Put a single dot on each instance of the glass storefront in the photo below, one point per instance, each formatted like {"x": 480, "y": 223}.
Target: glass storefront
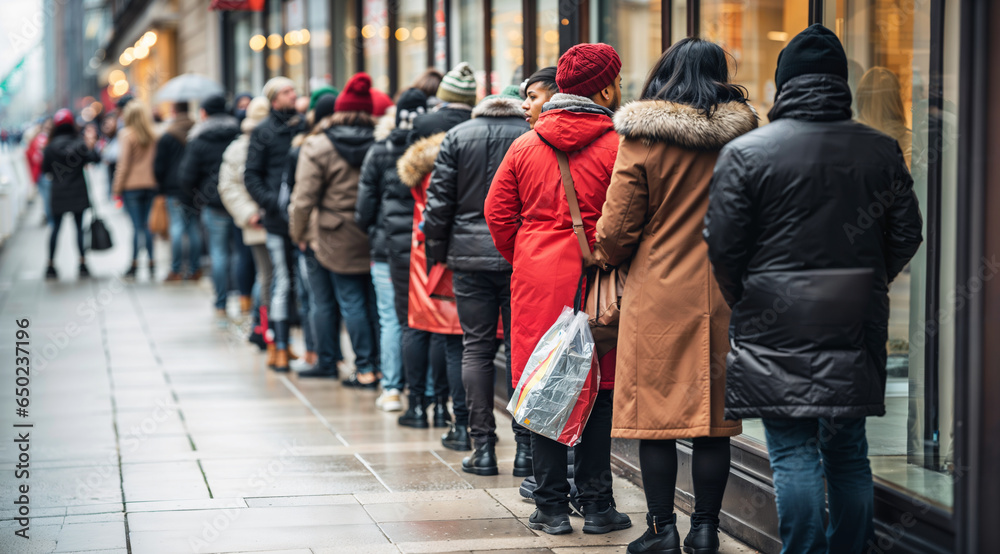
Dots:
{"x": 375, "y": 35}
{"x": 411, "y": 40}
{"x": 465, "y": 30}
{"x": 347, "y": 39}
{"x": 508, "y": 44}
{"x": 318, "y": 42}
{"x": 296, "y": 39}
{"x": 547, "y": 33}
{"x": 633, "y": 27}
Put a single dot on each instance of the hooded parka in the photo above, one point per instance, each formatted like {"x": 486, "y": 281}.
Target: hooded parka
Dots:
{"x": 266, "y": 164}
{"x": 454, "y": 223}
{"x": 529, "y": 218}
{"x": 673, "y": 336}
{"x": 326, "y": 180}
{"x": 809, "y": 220}
{"x": 385, "y": 205}
{"x": 232, "y": 190}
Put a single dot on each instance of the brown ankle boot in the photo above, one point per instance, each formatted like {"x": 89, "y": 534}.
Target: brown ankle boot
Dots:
{"x": 272, "y": 354}
{"x": 281, "y": 360}
{"x": 246, "y": 304}
{"x": 291, "y": 355}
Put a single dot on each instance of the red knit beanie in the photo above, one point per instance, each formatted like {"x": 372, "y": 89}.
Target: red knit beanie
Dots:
{"x": 587, "y": 68}
{"x": 356, "y": 96}
{"x": 380, "y": 102}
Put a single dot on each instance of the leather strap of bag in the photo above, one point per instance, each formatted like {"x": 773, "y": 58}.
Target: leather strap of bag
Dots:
{"x": 574, "y": 207}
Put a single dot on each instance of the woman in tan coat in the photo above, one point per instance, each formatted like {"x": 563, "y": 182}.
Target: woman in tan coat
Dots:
{"x": 671, "y": 372}
{"x": 134, "y": 180}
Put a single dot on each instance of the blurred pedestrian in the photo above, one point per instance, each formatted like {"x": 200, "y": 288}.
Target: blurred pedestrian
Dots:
{"x": 247, "y": 214}
{"x": 199, "y": 178}
{"x": 35, "y": 155}
{"x": 457, "y": 235}
{"x": 433, "y": 331}
{"x": 180, "y": 205}
{"x": 385, "y": 210}
{"x": 109, "y": 147}
{"x": 240, "y": 105}
{"x": 324, "y": 198}
{"x": 670, "y": 140}
{"x": 529, "y": 219}
{"x": 134, "y": 179}
{"x": 63, "y": 161}
{"x": 265, "y": 167}
{"x": 787, "y": 249}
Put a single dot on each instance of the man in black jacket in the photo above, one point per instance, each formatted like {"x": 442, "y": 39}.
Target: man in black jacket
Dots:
{"x": 199, "y": 179}
{"x": 810, "y": 219}
{"x": 263, "y": 175}
{"x": 457, "y": 235}
{"x": 183, "y": 214}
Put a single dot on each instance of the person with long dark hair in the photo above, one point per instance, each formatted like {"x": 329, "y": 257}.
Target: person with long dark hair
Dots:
{"x": 63, "y": 162}
{"x": 670, "y": 378}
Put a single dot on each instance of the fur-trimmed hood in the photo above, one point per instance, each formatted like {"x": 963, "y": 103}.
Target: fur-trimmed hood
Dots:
{"x": 386, "y": 124}
{"x": 418, "y": 160}
{"x": 498, "y": 106}
{"x": 685, "y": 126}
{"x": 572, "y": 102}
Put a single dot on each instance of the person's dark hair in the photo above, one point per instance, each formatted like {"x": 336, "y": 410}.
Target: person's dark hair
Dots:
{"x": 546, "y": 75}
{"x": 693, "y": 72}
{"x": 181, "y": 107}
{"x": 428, "y": 82}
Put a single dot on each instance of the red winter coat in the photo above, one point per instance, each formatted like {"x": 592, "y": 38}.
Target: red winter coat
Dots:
{"x": 530, "y": 221}
{"x": 34, "y": 153}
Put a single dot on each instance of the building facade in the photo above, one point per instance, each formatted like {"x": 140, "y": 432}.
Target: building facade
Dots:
{"x": 920, "y": 71}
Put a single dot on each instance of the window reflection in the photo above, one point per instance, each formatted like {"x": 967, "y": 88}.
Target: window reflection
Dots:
{"x": 375, "y": 33}
{"x": 467, "y": 39}
{"x": 508, "y": 44}
{"x": 633, "y": 28}
{"x": 411, "y": 40}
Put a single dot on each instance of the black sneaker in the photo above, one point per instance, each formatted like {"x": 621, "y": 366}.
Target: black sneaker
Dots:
{"x": 51, "y": 274}
{"x": 598, "y": 523}
{"x": 551, "y": 524}
{"x": 319, "y": 372}
{"x": 527, "y": 488}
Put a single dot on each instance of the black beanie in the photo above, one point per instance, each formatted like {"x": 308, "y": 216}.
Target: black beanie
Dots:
{"x": 324, "y": 106}
{"x": 410, "y": 103}
{"x": 814, "y": 50}
{"x": 214, "y": 104}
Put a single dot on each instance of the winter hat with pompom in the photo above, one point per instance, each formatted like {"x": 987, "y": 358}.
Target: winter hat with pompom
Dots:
{"x": 357, "y": 95}
{"x": 458, "y": 85}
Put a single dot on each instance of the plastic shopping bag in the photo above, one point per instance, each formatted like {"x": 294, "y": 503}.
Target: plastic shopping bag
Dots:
{"x": 559, "y": 383}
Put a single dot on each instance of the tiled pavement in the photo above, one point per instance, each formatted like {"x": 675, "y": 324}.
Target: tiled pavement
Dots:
{"x": 156, "y": 432}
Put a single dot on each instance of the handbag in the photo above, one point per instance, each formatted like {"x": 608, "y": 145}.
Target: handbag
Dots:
{"x": 603, "y": 295}
{"x": 159, "y": 219}
{"x": 100, "y": 237}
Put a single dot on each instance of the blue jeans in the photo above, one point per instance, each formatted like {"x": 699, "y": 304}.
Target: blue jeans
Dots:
{"x": 391, "y": 334}
{"x": 306, "y": 302}
{"x": 356, "y": 299}
{"x": 137, "y": 204}
{"x": 221, "y": 232}
{"x": 183, "y": 222}
{"x": 802, "y": 452}
{"x": 45, "y": 191}
{"x": 245, "y": 272}
{"x": 325, "y": 313}
{"x": 281, "y": 280}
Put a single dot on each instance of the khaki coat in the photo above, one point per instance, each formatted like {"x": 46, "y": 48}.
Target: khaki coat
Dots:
{"x": 674, "y": 329}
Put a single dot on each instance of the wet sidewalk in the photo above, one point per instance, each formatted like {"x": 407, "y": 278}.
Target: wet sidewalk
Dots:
{"x": 154, "y": 431}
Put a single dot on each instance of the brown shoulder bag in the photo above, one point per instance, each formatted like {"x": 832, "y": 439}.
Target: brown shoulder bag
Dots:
{"x": 602, "y": 298}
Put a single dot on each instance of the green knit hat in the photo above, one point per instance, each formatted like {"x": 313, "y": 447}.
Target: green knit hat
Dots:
{"x": 314, "y": 97}
{"x": 458, "y": 85}
{"x": 509, "y": 91}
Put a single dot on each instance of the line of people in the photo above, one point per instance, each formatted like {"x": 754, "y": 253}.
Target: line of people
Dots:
{"x": 438, "y": 232}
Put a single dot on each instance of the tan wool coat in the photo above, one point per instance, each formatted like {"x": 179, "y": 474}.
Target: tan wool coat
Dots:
{"x": 674, "y": 329}
{"x": 321, "y": 208}
{"x": 134, "y": 170}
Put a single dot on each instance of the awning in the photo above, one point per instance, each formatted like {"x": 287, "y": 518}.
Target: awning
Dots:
{"x": 237, "y": 5}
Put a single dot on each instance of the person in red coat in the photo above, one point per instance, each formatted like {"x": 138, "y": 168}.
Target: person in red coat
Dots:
{"x": 529, "y": 219}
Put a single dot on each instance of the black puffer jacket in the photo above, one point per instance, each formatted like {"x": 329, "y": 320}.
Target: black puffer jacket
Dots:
{"x": 267, "y": 163}
{"x": 198, "y": 175}
{"x": 439, "y": 121}
{"x": 809, "y": 220}
{"x": 385, "y": 204}
{"x": 454, "y": 223}
{"x": 63, "y": 159}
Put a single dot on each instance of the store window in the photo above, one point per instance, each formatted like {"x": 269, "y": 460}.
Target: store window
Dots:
{"x": 754, "y": 34}
{"x": 634, "y": 28}
{"x": 248, "y": 47}
{"x": 347, "y": 38}
{"x": 274, "y": 40}
{"x": 547, "y": 33}
{"x": 296, "y": 39}
{"x": 467, "y": 37}
{"x": 318, "y": 43}
{"x": 508, "y": 44}
{"x": 411, "y": 40}
{"x": 375, "y": 33}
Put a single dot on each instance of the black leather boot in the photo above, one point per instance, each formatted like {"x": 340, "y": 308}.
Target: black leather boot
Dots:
{"x": 457, "y": 438}
{"x": 522, "y": 461}
{"x": 702, "y": 539}
{"x": 660, "y": 537}
{"x": 441, "y": 416}
{"x": 483, "y": 461}
{"x": 415, "y": 415}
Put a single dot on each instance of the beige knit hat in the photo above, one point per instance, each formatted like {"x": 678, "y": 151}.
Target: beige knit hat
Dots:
{"x": 276, "y": 85}
{"x": 458, "y": 85}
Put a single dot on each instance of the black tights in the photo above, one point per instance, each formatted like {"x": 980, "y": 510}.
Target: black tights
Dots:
{"x": 709, "y": 472}
{"x": 54, "y": 237}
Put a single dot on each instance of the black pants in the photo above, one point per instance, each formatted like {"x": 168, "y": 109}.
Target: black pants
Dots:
{"x": 709, "y": 474}
{"x": 54, "y": 237}
{"x": 592, "y": 464}
{"x": 482, "y": 298}
{"x": 451, "y": 345}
